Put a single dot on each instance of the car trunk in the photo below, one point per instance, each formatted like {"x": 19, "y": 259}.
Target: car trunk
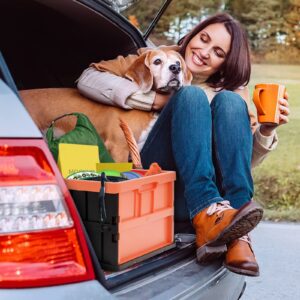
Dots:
{"x": 48, "y": 44}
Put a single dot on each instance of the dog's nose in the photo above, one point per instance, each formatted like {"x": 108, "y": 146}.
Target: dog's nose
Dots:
{"x": 175, "y": 69}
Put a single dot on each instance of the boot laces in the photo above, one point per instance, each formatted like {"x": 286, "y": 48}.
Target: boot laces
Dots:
{"x": 218, "y": 207}
{"x": 246, "y": 238}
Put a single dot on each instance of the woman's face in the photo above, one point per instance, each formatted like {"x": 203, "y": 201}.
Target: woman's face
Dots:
{"x": 208, "y": 49}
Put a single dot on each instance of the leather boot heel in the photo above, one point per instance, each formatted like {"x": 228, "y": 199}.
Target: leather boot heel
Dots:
{"x": 206, "y": 254}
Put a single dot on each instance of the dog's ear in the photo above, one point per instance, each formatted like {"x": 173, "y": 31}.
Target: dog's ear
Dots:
{"x": 187, "y": 74}
{"x": 142, "y": 50}
{"x": 139, "y": 72}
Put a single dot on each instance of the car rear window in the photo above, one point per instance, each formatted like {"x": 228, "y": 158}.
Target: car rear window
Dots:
{"x": 140, "y": 13}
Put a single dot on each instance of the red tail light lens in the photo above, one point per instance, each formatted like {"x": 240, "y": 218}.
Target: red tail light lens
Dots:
{"x": 38, "y": 257}
{"x": 41, "y": 240}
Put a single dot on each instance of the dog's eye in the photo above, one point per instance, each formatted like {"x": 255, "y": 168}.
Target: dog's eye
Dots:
{"x": 157, "y": 61}
{"x": 178, "y": 63}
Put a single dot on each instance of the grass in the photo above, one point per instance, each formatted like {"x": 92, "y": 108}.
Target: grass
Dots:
{"x": 277, "y": 179}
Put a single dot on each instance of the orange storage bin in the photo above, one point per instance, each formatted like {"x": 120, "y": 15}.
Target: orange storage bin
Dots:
{"x": 139, "y": 219}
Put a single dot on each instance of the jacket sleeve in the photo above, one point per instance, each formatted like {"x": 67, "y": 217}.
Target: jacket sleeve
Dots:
{"x": 105, "y": 87}
{"x": 262, "y": 145}
{"x": 114, "y": 90}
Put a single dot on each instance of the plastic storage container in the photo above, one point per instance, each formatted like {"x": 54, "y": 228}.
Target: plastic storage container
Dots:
{"x": 139, "y": 219}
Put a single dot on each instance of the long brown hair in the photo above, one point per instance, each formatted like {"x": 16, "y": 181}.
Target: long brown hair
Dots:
{"x": 236, "y": 69}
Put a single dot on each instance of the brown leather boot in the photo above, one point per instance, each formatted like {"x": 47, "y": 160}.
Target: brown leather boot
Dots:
{"x": 240, "y": 257}
{"x": 219, "y": 224}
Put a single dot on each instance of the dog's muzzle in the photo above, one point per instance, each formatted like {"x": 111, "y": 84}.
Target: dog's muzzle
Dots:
{"x": 173, "y": 84}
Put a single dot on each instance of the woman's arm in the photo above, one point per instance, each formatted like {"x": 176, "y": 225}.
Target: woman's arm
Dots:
{"x": 113, "y": 90}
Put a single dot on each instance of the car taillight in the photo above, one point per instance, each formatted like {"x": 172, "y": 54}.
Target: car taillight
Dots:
{"x": 41, "y": 239}
{"x": 33, "y": 207}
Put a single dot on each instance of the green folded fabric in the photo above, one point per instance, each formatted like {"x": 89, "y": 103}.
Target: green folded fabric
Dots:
{"x": 84, "y": 133}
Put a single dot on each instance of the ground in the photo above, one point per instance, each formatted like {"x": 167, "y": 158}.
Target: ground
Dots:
{"x": 277, "y": 249}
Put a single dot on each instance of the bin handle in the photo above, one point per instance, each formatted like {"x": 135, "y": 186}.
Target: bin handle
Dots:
{"x": 147, "y": 187}
{"x": 102, "y": 207}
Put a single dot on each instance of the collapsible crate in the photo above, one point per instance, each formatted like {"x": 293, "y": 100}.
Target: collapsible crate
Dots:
{"x": 139, "y": 220}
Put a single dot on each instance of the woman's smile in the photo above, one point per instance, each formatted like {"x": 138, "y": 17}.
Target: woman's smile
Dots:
{"x": 197, "y": 60}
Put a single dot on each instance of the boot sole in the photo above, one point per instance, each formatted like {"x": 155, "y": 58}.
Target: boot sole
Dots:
{"x": 246, "y": 220}
{"x": 241, "y": 271}
{"x": 248, "y": 217}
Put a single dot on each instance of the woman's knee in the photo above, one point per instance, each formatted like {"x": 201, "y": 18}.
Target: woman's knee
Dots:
{"x": 190, "y": 96}
{"x": 229, "y": 102}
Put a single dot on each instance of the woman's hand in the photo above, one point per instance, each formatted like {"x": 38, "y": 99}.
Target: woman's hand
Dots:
{"x": 267, "y": 130}
{"x": 160, "y": 101}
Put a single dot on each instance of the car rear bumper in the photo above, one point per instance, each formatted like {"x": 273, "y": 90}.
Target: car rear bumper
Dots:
{"x": 186, "y": 280}
{"x": 91, "y": 290}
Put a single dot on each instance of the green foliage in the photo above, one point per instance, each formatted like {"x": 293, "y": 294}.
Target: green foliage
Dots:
{"x": 278, "y": 192}
{"x": 292, "y": 22}
{"x": 292, "y": 215}
{"x": 272, "y": 26}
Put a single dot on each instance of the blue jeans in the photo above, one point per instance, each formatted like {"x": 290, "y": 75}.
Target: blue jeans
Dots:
{"x": 209, "y": 147}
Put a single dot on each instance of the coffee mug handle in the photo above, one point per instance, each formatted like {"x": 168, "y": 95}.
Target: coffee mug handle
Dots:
{"x": 256, "y": 100}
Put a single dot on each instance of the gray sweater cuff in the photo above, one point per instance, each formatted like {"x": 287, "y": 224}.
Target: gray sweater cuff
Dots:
{"x": 141, "y": 101}
{"x": 121, "y": 92}
{"x": 262, "y": 145}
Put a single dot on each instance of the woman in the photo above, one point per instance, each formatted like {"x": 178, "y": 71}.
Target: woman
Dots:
{"x": 208, "y": 136}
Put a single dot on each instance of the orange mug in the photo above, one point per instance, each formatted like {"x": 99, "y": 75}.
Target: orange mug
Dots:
{"x": 266, "y": 99}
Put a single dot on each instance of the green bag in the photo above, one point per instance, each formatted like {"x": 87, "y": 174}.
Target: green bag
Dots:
{"x": 84, "y": 133}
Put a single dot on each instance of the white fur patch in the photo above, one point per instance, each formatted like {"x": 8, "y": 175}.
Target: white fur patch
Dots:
{"x": 146, "y": 132}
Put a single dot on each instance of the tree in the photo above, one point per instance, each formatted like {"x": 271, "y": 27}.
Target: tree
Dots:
{"x": 272, "y": 26}
{"x": 292, "y": 22}
{"x": 262, "y": 19}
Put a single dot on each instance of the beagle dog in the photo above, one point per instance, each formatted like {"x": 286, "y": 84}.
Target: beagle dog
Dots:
{"x": 159, "y": 69}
